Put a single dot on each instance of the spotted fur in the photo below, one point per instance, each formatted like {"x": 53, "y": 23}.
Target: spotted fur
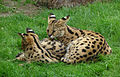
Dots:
{"x": 43, "y": 51}
{"x": 82, "y": 45}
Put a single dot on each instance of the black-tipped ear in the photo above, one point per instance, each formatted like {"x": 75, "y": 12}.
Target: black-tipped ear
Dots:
{"x": 66, "y": 17}
{"x": 19, "y": 33}
{"x": 52, "y": 15}
{"x": 29, "y": 30}
{"x": 64, "y": 20}
{"x": 51, "y": 18}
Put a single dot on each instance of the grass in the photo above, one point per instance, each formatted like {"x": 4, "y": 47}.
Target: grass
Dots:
{"x": 4, "y": 9}
{"x": 99, "y": 17}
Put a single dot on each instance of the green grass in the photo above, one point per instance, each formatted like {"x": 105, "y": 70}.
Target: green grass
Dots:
{"x": 5, "y": 9}
{"x": 99, "y": 17}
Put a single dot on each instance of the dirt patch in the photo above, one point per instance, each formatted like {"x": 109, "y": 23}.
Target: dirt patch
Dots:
{"x": 62, "y": 3}
{"x": 19, "y": 7}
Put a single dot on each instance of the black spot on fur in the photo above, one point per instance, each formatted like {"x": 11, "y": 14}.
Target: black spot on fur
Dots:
{"x": 85, "y": 55}
{"x": 83, "y": 50}
{"x": 57, "y": 51}
{"x": 85, "y": 41}
{"x": 77, "y": 49}
{"x": 92, "y": 46}
{"x": 101, "y": 52}
{"x": 61, "y": 49}
{"x": 104, "y": 48}
{"x": 74, "y": 56}
{"x": 60, "y": 45}
{"x": 46, "y": 60}
{"x": 46, "y": 54}
{"x": 96, "y": 33}
{"x": 88, "y": 33}
{"x": 77, "y": 35}
{"x": 77, "y": 43}
{"x": 67, "y": 38}
{"x": 101, "y": 48}
{"x": 81, "y": 56}
{"x": 63, "y": 52}
{"x": 48, "y": 43}
{"x": 97, "y": 39}
{"x": 92, "y": 35}
{"x": 89, "y": 58}
{"x": 38, "y": 54}
{"x": 74, "y": 61}
{"x": 87, "y": 47}
{"x": 82, "y": 44}
{"x": 88, "y": 44}
{"x": 94, "y": 42}
{"x": 42, "y": 61}
{"x": 43, "y": 46}
{"x": 82, "y": 33}
{"x": 72, "y": 37}
{"x": 42, "y": 56}
{"x": 77, "y": 58}
{"x": 70, "y": 31}
{"x": 31, "y": 56}
{"x": 101, "y": 36}
{"x": 98, "y": 46}
{"x": 53, "y": 43}
{"x": 100, "y": 43}
{"x": 105, "y": 53}
{"x": 54, "y": 47}
{"x": 58, "y": 55}
{"x": 94, "y": 50}
{"x": 28, "y": 55}
{"x": 90, "y": 53}
{"x": 51, "y": 49}
{"x": 101, "y": 39}
{"x": 77, "y": 54}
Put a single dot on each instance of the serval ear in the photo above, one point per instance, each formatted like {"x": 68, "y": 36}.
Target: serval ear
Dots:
{"x": 21, "y": 34}
{"x": 64, "y": 19}
{"x": 51, "y": 18}
{"x": 29, "y": 30}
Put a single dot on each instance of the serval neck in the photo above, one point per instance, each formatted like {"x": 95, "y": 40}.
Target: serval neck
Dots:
{"x": 70, "y": 34}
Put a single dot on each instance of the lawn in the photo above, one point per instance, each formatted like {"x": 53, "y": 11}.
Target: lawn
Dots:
{"x": 99, "y": 17}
